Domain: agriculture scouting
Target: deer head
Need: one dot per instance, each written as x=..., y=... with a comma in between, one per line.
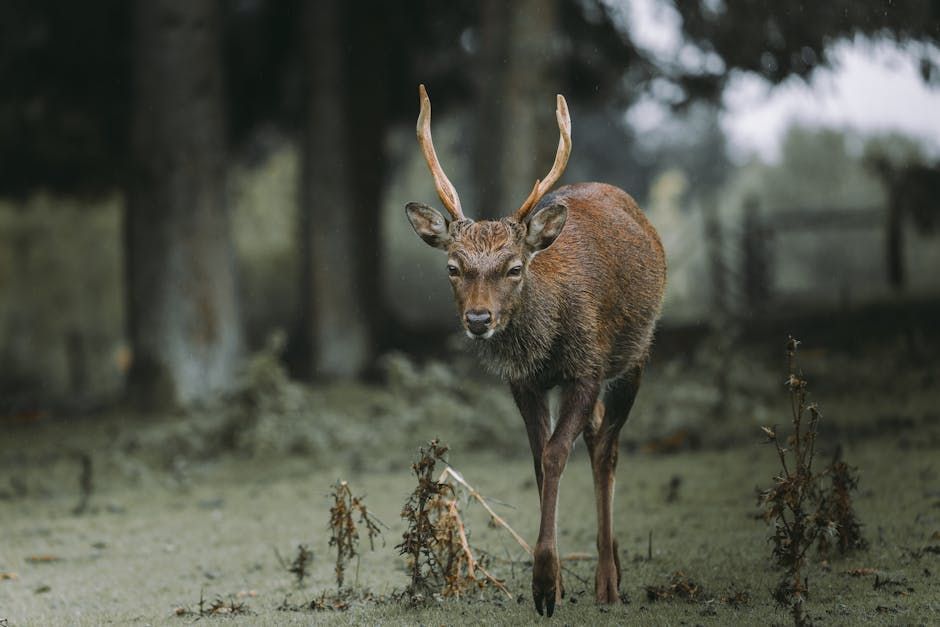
x=488, y=261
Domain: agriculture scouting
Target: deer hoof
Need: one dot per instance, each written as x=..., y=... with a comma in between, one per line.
x=607, y=576
x=547, y=587
x=606, y=589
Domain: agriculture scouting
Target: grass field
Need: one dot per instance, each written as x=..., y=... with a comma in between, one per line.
x=200, y=505
x=143, y=549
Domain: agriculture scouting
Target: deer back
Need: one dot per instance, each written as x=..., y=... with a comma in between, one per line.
x=591, y=299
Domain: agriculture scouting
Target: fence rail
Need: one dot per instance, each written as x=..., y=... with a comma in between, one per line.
x=805, y=218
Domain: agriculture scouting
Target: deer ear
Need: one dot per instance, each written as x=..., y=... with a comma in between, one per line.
x=429, y=224
x=545, y=226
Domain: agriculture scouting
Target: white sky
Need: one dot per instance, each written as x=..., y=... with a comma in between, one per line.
x=871, y=88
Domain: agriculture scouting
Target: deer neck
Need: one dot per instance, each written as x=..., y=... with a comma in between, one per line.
x=522, y=350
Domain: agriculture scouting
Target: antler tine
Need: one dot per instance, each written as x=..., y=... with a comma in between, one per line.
x=561, y=161
x=445, y=189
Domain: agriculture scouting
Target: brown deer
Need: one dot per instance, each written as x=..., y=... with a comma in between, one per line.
x=565, y=293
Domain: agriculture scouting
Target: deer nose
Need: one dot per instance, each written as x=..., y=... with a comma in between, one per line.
x=478, y=321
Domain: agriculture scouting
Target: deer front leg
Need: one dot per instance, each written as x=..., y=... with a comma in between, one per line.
x=578, y=400
x=533, y=405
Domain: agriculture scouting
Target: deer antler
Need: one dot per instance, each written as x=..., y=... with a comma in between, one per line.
x=561, y=160
x=445, y=189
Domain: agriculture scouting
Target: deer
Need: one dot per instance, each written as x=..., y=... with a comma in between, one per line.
x=565, y=293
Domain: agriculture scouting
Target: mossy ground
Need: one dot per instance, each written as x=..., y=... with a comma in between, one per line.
x=199, y=505
x=142, y=550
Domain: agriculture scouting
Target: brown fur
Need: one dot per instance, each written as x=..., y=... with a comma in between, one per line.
x=580, y=315
x=589, y=302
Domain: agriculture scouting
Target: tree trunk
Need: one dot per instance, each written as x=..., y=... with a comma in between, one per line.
x=367, y=125
x=517, y=133
x=183, y=317
x=334, y=318
x=488, y=151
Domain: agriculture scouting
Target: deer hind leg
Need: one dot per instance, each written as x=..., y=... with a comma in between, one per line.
x=602, y=436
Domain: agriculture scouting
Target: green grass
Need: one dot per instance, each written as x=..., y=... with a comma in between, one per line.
x=152, y=542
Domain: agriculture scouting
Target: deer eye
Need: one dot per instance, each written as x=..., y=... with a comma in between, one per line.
x=514, y=271
x=453, y=270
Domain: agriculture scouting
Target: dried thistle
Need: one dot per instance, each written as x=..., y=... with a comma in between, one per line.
x=418, y=541
x=436, y=541
x=787, y=502
x=802, y=512
x=836, y=507
x=345, y=529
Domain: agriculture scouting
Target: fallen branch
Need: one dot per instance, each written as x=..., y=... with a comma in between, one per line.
x=472, y=563
x=449, y=471
x=571, y=557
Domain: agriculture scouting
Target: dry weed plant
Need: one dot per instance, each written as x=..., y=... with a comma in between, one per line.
x=218, y=607
x=298, y=568
x=803, y=513
x=339, y=601
x=345, y=529
x=836, y=506
x=736, y=599
x=679, y=587
x=418, y=541
x=435, y=542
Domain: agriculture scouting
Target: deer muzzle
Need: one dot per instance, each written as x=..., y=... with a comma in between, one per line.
x=479, y=323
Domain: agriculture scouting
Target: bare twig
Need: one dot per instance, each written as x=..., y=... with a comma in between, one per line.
x=472, y=563
x=452, y=472
x=85, y=483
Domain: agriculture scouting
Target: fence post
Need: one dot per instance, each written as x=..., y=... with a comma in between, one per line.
x=894, y=240
x=755, y=258
x=714, y=247
x=724, y=330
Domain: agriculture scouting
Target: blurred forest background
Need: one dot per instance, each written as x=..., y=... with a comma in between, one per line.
x=185, y=183
x=212, y=306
